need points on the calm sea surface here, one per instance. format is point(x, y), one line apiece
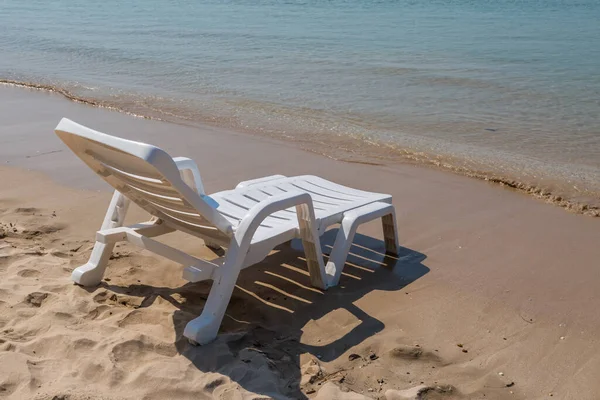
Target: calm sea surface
point(511, 88)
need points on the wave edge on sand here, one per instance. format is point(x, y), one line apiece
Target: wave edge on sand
point(372, 152)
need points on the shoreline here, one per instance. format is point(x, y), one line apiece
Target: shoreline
point(369, 152)
point(494, 296)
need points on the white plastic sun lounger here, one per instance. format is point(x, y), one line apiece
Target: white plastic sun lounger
point(248, 221)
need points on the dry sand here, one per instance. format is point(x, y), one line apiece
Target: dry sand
point(495, 295)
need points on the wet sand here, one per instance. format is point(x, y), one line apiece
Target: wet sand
point(574, 188)
point(495, 295)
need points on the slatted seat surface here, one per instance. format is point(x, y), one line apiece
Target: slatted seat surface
point(330, 201)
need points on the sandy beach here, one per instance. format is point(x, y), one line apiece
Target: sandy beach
point(495, 295)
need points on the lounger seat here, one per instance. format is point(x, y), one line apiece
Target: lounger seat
point(248, 221)
point(330, 201)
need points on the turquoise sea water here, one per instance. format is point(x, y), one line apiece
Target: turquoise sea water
point(509, 87)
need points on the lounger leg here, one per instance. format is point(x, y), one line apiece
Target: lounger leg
point(205, 328)
point(390, 233)
point(92, 273)
point(312, 246)
point(339, 253)
point(345, 235)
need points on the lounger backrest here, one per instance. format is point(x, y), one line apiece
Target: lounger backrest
point(146, 175)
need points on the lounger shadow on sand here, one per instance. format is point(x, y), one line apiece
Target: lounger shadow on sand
point(272, 305)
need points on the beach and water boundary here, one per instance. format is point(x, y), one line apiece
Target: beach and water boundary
point(572, 195)
point(509, 280)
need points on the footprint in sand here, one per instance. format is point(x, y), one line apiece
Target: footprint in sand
point(65, 317)
point(411, 353)
point(84, 344)
point(28, 273)
point(65, 346)
point(155, 323)
point(92, 371)
point(7, 388)
point(106, 297)
point(42, 230)
point(100, 313)
point(135, 350)
point(143, 317)
point(36, 299)
point(60, 254)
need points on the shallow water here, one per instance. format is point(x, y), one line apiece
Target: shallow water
point(504, 88)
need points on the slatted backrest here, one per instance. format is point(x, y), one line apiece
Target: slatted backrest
point(146, 175)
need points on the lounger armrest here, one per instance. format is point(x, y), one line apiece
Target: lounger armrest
point(307, 229)
point(273, 204)
point(190, 173)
